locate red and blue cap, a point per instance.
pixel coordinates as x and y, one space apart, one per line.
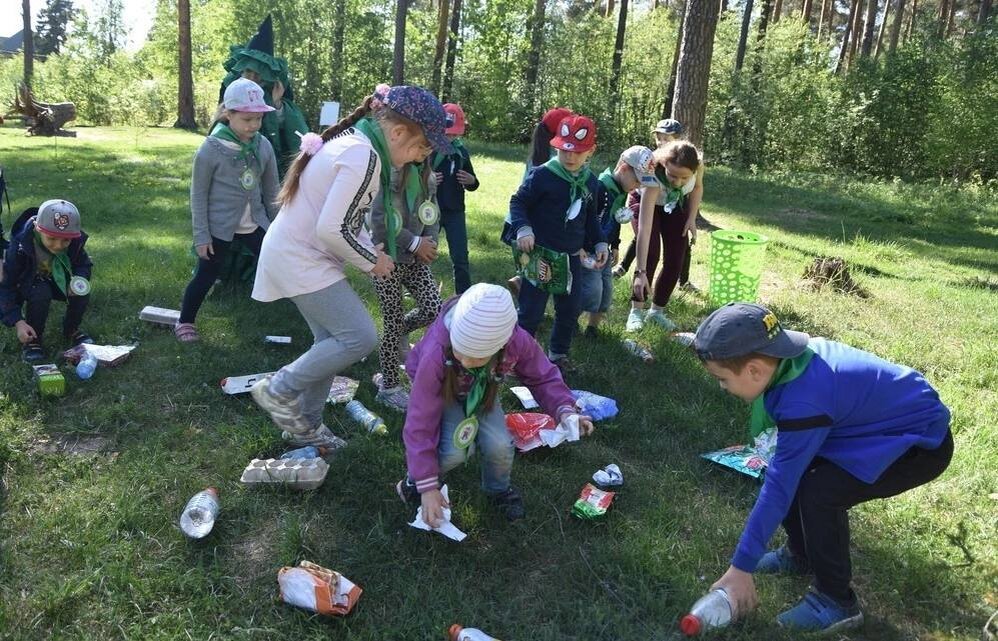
575 133
421 107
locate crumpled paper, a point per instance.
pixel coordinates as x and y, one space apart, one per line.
609 476
446 528
567 430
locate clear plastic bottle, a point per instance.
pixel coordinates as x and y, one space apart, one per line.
458 633
199 516
310 451
87 365
638 350
713 610
371 421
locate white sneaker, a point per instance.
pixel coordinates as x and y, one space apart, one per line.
395 398
656 316
285 412
321 436
635 320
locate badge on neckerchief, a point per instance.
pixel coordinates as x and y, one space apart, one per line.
465 432
248 179
429 213
623 215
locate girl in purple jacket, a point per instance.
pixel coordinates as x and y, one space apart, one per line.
456 371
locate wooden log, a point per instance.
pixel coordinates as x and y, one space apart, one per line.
43 118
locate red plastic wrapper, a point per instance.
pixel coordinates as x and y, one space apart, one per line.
524 426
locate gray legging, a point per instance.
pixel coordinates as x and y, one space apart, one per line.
344 333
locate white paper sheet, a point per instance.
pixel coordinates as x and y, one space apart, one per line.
446 528
567 430
525 397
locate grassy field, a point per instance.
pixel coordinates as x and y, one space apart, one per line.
89 542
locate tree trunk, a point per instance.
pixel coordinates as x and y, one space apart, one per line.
805 12
777 10
896 27
942 14
984 12
340 14
690 104
398 59
840 63
879 47
45 119
670 89
724 5
949 19
743 36
536 28
857 33
609 8
825 21
443 13
871 21
452 36
185 87
618 55
29 43
911 20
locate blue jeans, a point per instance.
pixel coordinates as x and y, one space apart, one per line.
456 231
597 289
567 308
493 440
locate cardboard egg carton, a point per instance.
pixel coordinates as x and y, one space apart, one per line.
296 474
160 315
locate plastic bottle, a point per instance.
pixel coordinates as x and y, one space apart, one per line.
371 421
305 452
199 516
87 365
713 610
639 351
458 633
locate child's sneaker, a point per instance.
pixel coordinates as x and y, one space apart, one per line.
321 436
562 362
79 337
32 353
407 491
818 612
689 288
513 285
395 398
782 561
285 412
510 503
618 272
656 316
635 320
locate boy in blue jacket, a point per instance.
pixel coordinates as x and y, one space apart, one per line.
454 175
851 427
46 260
555 207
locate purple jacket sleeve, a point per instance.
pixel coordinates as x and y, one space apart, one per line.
540 375
421 433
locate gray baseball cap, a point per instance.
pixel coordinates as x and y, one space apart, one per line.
59 218
642 162
738 329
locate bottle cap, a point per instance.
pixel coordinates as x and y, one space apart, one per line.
690 625
454 631
212 490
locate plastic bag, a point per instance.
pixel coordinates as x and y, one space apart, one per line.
595 406
524 428
313 587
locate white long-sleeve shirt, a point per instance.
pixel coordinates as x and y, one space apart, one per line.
315 235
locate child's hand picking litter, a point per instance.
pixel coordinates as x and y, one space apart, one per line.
204 251
526 244
385 264
740 587
426 251
586 426
25 333
601 257
433 507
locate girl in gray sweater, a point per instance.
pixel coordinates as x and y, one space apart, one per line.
233 193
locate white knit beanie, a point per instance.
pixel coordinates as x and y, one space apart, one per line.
482 321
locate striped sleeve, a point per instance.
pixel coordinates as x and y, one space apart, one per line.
347 202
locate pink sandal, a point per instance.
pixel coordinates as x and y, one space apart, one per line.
186 333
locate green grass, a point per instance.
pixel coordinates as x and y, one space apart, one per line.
90 548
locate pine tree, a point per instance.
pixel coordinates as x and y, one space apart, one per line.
53 22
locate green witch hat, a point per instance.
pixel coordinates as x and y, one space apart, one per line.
258 56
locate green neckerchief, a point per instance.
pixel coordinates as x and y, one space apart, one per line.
439 158
246 149
619 195
671 193
413 187
412 190
786 371
576 183
61 269
476 394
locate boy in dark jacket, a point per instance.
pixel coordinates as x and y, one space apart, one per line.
454 175
851 427
46 260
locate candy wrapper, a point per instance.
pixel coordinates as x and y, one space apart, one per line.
751 460
595 406
593 502
342 390
317 589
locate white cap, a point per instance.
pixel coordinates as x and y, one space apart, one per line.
483 321
243 94
641 161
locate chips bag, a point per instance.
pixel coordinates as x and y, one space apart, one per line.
317 589
592 503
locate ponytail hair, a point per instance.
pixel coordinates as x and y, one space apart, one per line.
289 189
679 152
540 145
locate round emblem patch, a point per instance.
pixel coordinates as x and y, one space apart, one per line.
248 179
428 213
465 433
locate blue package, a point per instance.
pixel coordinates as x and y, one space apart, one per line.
594 405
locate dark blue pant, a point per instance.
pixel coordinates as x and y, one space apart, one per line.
207 271
567 308
37 303
457 244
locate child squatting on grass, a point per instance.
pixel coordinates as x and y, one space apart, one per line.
456 371
851 427
46 252
326 197
233 191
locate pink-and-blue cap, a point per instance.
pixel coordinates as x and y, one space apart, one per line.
421 107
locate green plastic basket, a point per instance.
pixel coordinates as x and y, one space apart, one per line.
736 259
